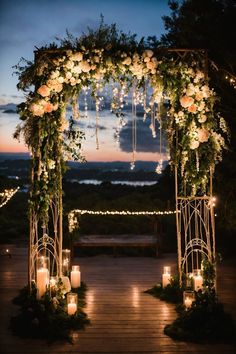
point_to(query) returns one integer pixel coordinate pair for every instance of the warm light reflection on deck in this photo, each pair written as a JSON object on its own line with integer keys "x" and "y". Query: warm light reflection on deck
{"x": 135, "y": 296}
{"x": 90, "y": 301}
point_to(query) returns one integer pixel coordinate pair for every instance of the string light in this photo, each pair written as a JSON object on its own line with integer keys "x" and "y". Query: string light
{"x": 73, "y": 219}
{"x": 231, "y": 80}
{"x": 7, "y": 195}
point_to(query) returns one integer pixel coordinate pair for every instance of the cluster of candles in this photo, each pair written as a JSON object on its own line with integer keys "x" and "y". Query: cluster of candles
{"x": 195, "y": 278}
{"x": 44, "y": 281}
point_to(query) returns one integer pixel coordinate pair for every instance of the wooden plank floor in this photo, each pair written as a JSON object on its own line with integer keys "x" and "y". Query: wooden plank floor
{"x": 123, "y": 318}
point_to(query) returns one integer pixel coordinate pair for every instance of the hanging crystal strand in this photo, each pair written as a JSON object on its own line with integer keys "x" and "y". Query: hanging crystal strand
{"x": 85, "y": 102}
{"x": 134, "y": 128}
{"x": 197, "y": 161}
{"x": 153, "y": 123}
{"x": 160, "y": 165}
{"x": 145, "y": 101}
{"x": 97, "y": 103}
{"x": 75, "y": 107}
{"x": 121, "y": 122}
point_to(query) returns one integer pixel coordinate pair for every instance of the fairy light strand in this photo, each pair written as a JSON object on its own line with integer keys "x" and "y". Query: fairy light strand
{"x": 75, "y": 213}
{"x": 7, "y": 195}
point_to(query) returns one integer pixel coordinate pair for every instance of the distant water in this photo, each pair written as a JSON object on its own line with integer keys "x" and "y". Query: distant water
{"x": 128, "y": 183}
{"x": 14, "y": 156}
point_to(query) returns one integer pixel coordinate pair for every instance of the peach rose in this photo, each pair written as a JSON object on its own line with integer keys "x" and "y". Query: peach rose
{"x": 44, "y": 91}
{"x": 48, "y": 107}
{"x": 85, "y": 66}
{"x": 199, "y": 96}
{"x": 36, "y": 109}
{"x": 186, "y": 101}
{"x": 203, "y": 135}
{"x": 192, "y": 108}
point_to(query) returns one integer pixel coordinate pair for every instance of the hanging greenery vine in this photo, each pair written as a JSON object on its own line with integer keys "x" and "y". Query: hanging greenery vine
{"x": 61, "y": 72}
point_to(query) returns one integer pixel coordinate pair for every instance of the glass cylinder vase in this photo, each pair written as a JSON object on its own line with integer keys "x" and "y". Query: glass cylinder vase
{"x": 65, "y": 261}
{"x": 72, "y": 303}
{"x": 42, "y": 275}
{"x": 188, "y": 298}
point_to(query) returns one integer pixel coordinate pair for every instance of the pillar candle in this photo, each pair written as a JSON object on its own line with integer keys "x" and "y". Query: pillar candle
{"x": 72, "y": 308}
{"x": 188, "y": 302}
{"x": 165, "y": 280}
{"x": 75, "y": 277}
{"x": 42, "y": 281}
{"x": 198, "y": 282}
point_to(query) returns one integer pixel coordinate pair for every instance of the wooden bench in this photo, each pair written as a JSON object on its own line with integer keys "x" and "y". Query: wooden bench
{"x": 117, "y": 241}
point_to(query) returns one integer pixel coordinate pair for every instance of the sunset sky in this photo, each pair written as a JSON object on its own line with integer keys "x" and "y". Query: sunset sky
{"x": 25, "y": 24}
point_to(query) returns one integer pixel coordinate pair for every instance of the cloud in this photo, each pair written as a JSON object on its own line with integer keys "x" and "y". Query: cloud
{"x": 93, "y": 126}
{"x": 145, "y": 141}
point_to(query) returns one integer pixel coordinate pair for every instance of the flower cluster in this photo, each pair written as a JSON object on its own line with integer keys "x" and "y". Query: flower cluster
{"x": 195, "y": 132}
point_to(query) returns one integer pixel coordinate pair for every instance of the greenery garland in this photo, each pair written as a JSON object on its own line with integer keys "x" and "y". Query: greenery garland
{"x": 60, "y": 73}
{"x": 47, "y": 318}
{"x": 205, "y": 320}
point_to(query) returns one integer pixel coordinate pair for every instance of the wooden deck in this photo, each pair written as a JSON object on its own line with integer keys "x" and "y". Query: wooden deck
{"x": 123, "y": 318}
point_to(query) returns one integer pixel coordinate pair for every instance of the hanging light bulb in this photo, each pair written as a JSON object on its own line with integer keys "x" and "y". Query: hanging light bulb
{"x": 159, "y": 167}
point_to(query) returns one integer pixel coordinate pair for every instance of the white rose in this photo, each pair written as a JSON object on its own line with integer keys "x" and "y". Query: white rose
{"x": 68, "y": 75}
{"x": 60, "y": 80}
{"x": 149, "y": 53}
{"x": 127, "y": 61}
{"x": 54, "y": 74}
{"x": 194, "y": 144}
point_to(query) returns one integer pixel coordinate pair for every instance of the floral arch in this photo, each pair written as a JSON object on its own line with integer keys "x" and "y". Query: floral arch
{"x": 180, "y": 94}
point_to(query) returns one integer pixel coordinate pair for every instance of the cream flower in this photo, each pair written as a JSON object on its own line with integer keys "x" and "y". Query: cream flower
{"x": 146, "y": 59}
{"x": 190, "y": 90}
{"x": 85, "y": 67}
{"x": 127, "y": 61}
{"x": 77, "y": 56}
{"x": 69, "y": 64}
{"x": 44, "y": 91}
{"x": 203, "y": 135}
{"x": 194, "y": 144}
{"x": 149, "y": 53}
{"x": 199, "y": 96}
{"x": 51, "y": 164}
{"x": 54, "y": 74}
{"x": 68, "y": 75}
{"x": 202, "y": 118}
{"x": 60, "y": 79}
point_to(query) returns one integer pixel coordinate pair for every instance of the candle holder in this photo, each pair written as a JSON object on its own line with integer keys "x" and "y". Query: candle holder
{"x": 72, "y": 303}
{"x": 189, "y": 280}
{"x": 188, "y": 298}
{"x": 75, "y": 277}
{"x": 166, "y": 276}
{"x": 65, "y": 261}
{"x": 42, "y": 275}
{"x": 197, "y": 279}
{"x": 53, "y": 282}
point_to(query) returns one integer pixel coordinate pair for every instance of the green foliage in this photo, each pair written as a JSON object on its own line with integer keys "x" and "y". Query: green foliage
{"x": 47, "y": 318}
{"x": 205, "y": 321}
{"x": 171, "y": 293}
